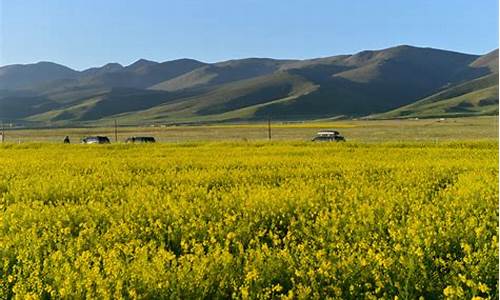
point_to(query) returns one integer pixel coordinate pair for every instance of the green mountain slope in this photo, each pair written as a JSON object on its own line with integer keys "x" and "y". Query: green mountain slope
{"x": 489, "y": 61}
{"x": 375, "y": 81}
{"x": 472, "y": 98}
{"x": 108, "y": 103}
{"x": 236, "y": 100}
{"x": 220, "y": 73}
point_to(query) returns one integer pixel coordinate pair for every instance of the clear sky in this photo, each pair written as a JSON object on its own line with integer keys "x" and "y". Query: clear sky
{"x": 85, "y": 33}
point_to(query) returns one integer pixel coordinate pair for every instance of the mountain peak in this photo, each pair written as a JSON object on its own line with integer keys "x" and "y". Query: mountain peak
{"x": 184, "y": 60}
{"x": 141, "y": 63}
{"x": 107, "y": 68}
{"x": 489, "y": 60}
{"x": 48, "y": 65}
{"x": 112, "y": 65}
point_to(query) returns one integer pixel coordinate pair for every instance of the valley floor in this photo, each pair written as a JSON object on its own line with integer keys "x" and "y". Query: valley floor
{"x": 471, "y": 128}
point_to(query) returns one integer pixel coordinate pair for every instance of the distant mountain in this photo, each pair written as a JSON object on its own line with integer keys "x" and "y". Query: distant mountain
{"x": 397, "y": 82}
{"x": 14, "y": 77}
{"x": 99, "y": 71}
{"x": 140, "y": 74}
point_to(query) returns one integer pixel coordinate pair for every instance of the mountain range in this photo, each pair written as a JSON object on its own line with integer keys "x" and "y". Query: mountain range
{"x": 397, "y": 82}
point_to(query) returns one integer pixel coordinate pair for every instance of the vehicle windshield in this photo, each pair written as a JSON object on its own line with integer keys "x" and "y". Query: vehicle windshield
{"x": 328, "y": 133}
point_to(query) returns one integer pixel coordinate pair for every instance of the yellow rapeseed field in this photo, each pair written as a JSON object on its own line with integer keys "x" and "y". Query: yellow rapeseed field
{"x": 255, "y": 220}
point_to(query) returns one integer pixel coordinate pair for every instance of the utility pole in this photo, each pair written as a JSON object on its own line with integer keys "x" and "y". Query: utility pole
{"x": 269, "y": 128}
{"x": 116, "y": 132}
{"x": 2, "y": 138}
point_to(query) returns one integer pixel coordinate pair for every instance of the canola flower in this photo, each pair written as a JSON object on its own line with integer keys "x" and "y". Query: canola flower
{"x": 249, "y": 221}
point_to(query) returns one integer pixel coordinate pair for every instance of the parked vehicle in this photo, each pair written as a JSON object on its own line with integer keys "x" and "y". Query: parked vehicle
{"x": 96, "y": 140}
{"x": 328, "y": 136}
{"x": 140, "y": 139}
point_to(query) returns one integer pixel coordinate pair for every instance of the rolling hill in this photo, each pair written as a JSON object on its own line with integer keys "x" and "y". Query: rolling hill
{"x": 15, "y": 77}
{"x": 397, "y": 82}
{"x": 474, "y": 97}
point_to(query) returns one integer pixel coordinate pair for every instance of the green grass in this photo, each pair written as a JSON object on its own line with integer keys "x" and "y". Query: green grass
{"x": 471, "y": 128}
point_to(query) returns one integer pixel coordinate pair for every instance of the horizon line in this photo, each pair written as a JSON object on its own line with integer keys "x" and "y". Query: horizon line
{"x": 238, "y": 58}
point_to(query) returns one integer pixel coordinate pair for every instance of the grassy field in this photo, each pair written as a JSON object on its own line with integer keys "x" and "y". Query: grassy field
{"x": 250, "y": 220}
{"x": 472, "y": 128}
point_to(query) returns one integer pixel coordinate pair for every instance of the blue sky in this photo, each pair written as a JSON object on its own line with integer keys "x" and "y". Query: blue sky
{"x": 85, "y": 33}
